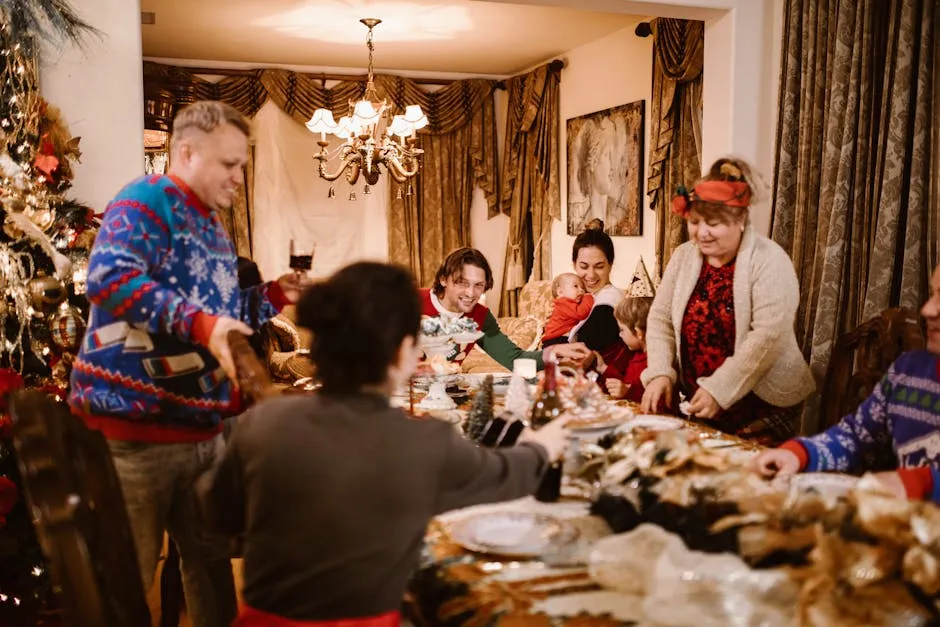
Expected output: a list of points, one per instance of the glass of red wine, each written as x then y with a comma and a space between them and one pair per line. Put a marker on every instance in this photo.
301, 257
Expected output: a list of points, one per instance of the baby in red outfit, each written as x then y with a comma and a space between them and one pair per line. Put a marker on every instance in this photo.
571, 306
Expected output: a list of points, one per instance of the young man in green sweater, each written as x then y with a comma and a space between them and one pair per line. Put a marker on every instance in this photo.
458, 285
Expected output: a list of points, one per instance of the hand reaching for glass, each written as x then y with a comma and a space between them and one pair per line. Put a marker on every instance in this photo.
568, 354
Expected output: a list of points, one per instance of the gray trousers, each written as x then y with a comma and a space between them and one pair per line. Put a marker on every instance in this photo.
158, 481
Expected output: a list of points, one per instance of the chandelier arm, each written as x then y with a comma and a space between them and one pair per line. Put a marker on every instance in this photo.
354, 168
397, 167
394, 169
347, 160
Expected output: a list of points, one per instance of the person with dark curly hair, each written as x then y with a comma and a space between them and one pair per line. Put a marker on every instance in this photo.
333, 491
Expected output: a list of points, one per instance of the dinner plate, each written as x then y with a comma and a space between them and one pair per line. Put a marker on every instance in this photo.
611, 418
652, 422
606, 422
512, 534
476, 379
466, 338
716, 442
828, 484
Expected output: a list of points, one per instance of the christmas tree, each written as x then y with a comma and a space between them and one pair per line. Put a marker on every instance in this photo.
481, 410
45, 239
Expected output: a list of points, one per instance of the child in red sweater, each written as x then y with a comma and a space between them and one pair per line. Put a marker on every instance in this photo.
571, 306
631, 315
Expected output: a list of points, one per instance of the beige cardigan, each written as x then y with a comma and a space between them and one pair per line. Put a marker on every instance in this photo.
766, 359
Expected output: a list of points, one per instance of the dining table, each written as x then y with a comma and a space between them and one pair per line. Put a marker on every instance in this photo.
468, 586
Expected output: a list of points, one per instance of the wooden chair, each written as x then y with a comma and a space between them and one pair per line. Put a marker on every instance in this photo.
862, 357
81, 521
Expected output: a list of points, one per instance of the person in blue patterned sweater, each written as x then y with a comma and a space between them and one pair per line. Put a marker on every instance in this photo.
902, 415
154, 373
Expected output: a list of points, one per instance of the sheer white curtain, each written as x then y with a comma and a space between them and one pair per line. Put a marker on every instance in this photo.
291, 202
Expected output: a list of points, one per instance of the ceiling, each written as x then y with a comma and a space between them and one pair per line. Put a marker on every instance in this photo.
461, 36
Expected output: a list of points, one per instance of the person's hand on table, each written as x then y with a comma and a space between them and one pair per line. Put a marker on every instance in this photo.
616, 388
553, 437
657, 393
776, 462
568, 354
703, 405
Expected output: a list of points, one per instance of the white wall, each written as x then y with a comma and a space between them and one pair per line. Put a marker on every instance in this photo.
608, 72
100, 93
742, 67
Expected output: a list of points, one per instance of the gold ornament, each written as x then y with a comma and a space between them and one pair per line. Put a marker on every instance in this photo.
46, 293
43, 218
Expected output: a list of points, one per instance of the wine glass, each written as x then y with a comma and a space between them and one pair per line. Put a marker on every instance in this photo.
301, 257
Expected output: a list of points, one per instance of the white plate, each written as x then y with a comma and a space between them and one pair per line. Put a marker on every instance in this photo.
653, 423
512, 534
827, 484
444, 403
466, 338
476, 378
597, 426
718, 442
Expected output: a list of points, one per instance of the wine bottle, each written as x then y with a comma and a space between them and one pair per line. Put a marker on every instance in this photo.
512, 433
493, 432
547, 407
549, 490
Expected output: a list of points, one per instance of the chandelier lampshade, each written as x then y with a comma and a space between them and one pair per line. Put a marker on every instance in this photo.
375, 139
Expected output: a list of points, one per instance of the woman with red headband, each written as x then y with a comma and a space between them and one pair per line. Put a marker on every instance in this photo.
721, 326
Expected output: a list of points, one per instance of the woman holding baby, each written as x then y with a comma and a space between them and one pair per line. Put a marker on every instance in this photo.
721, 326
593, 255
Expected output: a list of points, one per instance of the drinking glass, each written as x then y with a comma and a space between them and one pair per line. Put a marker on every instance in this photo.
301, 256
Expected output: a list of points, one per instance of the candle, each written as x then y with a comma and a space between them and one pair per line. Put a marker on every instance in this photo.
525, 368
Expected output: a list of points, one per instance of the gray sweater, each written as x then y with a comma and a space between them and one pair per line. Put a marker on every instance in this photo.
334, 493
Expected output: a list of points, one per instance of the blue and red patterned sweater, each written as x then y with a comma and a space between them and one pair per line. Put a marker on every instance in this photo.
901, 418
161, 271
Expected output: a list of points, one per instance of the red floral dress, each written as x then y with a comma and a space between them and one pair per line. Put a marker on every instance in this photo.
708, 334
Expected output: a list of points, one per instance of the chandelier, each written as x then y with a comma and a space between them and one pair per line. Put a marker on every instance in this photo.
374, 137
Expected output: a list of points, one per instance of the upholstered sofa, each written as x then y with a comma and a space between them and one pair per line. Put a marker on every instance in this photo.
535, 306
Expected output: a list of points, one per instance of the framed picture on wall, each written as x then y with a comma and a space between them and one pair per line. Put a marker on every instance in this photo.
605, 169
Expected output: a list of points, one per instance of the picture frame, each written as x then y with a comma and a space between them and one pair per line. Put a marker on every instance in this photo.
605, 169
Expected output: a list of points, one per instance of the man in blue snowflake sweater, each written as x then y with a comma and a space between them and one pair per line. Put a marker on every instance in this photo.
154, 373
903, 413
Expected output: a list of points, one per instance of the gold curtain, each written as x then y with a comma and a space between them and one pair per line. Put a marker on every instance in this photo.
675, 125
530, 192
852, 198
459, 145
431, 220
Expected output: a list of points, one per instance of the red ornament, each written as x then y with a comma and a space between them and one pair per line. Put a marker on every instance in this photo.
10, 381
9, 495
